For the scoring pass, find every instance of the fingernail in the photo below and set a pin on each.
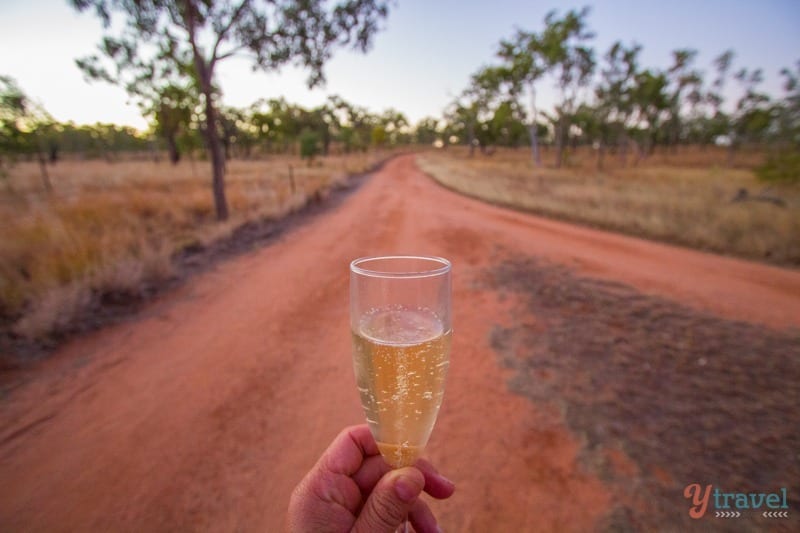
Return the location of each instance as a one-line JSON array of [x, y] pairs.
[[406, 489], [445, 480]]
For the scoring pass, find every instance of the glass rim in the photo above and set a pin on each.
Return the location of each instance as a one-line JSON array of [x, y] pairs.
[[444, 268]]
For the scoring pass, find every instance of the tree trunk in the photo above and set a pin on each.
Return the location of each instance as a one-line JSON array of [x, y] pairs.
[[731, 153], [53, 153], [471, 130], [48, 187], [292, 187], [214, 144], [623, 149], [174, 152], [40, 156], [533, 129], [601, 152], [559, 142], [326, 143]]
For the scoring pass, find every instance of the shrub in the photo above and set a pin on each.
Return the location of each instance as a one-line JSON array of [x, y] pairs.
[[781, 167], [309, 145]]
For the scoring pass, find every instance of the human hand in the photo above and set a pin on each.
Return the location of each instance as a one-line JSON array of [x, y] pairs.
[[352, 488]]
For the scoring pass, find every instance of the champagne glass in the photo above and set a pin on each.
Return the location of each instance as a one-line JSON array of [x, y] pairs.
[[400, 320]]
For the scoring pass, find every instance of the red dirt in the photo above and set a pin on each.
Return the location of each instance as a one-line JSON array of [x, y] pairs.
[[204, 412]]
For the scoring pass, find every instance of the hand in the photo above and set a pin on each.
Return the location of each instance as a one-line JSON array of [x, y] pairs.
[[352, 488]]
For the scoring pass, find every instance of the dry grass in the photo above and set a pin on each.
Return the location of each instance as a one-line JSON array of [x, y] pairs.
[[684, 198], [109, 230]]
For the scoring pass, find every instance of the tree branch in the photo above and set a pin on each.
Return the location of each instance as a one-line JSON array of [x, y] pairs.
[[199, 60], [229, 53], [223, 34]]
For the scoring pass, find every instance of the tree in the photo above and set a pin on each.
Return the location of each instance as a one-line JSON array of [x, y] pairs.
[[12, 109], [172, 110], [682, 78], [528, 57], [309, 145], [169, 39], [378, 136], [24, 126], [783, 163], [652, 104], [426, 132], [355, 124], [718, 123], [751, 117], [788, 127], [395, 124], [507, 124], [574, 64], [614, 98], [523, 64], [475, 106]]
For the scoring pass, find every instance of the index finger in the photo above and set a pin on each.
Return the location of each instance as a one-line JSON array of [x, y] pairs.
[[349, 449]]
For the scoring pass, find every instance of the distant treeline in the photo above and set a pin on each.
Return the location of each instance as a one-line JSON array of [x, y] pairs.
[[266, 127], [612, 103]]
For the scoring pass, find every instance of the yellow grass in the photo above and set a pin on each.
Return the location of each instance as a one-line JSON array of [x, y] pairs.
[[683, 198], [112, 228]]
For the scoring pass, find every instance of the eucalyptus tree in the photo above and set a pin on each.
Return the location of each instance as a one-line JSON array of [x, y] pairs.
[[159, 37], [572, 61], [651, 100], [506, 126], [427, 131], [718, 123], [264, 123], [783, 163], [683, 80], [396, 126], [751, 117], [24, 127], [474, 106], [172, 110], [13, 103], [356, 124], [788, 121], [324, 120], [614, 97], [524, 64]]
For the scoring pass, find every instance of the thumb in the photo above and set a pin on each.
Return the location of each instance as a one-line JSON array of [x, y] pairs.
[[391, 500]]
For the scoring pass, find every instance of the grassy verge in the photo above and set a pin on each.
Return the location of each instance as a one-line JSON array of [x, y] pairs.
[[681, 199], [111, 231]]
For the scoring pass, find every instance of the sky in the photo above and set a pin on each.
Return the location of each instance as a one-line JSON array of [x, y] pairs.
[[418, 64]]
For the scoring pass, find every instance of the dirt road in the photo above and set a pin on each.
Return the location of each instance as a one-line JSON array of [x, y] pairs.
[[205, 411]]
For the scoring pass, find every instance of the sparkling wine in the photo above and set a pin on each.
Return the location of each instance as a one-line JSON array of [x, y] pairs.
[[401, 357]]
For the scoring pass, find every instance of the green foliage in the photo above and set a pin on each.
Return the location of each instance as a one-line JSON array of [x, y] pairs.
[[24, 124], [97, 140], [175, 42], [25, 127], [782, 167], [173, 108], [12, 111], [309, 145], [426, 132], [378, 136], [632, 108]]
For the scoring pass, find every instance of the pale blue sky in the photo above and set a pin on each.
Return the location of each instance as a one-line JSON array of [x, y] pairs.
[[418, 64]]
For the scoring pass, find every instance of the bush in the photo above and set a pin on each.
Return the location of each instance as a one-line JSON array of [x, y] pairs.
[[781, 167], [309, 145]]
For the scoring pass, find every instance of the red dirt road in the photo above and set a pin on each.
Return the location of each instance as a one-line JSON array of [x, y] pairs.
[[205, 411]]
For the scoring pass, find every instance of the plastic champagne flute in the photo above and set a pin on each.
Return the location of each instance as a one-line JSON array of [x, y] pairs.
[[401, 328]]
